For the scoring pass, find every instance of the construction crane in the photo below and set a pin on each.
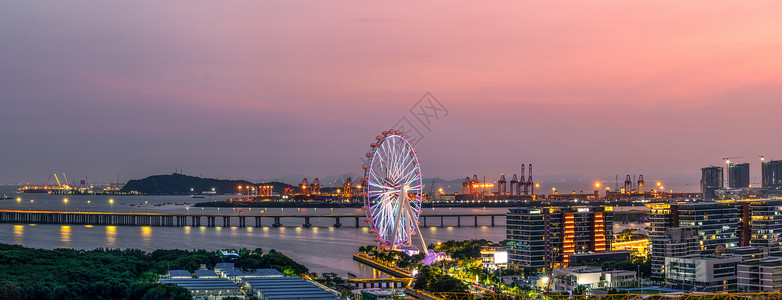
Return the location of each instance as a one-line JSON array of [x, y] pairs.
[[727, 159]]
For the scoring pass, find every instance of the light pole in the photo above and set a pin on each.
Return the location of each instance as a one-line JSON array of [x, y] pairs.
[[597, 188], [111, 201]]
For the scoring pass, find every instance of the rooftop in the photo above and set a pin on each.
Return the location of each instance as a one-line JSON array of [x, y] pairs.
[[232, 272], [268, 272], [224, 266], [179, 273], [203, 284], [202, 273]]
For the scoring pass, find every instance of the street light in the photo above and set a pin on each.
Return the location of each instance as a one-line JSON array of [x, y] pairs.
[[111, 201]]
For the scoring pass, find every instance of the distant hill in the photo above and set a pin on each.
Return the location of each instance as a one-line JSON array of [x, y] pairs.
[[179, 184]]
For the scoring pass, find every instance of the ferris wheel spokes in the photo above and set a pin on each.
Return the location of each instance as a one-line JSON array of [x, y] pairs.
[[392, 189]]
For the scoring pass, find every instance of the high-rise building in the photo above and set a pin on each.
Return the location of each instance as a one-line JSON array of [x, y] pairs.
[[761, 224], [659, 221], [716, 225], [545, 237], [772, 174], [738, 175], [711, 180]]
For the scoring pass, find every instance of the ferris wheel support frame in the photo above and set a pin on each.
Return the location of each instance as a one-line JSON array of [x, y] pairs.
[[406, 209]]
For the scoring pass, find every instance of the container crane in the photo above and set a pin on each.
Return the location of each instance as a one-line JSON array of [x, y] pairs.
[[502, 185]]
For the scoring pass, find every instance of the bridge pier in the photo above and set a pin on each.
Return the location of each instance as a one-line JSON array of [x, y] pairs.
[[178, 220]]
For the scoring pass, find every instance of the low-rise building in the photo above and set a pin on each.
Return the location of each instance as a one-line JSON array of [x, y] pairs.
[[378, 294], [566, 279], [237, 276], [206, 274], [274, 288], [208, 289], [179, 274], [764, 276], [268, 273], [494, 257], [703, 273], [223, 266], [640, 246]]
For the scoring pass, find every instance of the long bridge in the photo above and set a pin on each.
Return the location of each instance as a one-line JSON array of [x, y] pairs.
[[211, 220]]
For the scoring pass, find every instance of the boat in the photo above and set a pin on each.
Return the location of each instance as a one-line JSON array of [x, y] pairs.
[[197, 196]]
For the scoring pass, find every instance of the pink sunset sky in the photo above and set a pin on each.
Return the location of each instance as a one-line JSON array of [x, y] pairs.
[[261, 89]]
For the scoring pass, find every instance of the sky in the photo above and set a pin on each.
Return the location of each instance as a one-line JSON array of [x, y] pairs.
[[262, 89]]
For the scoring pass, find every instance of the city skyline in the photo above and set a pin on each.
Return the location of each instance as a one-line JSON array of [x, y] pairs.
[[261, 90]]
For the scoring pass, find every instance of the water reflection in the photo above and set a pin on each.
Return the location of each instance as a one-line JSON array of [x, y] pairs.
[[18, 234], [65, 236], [321, 249], [111, 236], [146, 235]]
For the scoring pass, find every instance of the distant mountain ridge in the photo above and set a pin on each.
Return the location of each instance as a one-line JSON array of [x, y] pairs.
[[180, 184]]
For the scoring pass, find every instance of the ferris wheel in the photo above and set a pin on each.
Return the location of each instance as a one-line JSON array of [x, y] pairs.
[[392, 190]]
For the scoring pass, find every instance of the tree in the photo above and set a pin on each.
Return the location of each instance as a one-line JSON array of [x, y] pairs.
[[580, 290], [167, 291], [447, 283]]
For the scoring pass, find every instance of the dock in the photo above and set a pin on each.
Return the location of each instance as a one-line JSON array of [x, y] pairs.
[[399, 273]]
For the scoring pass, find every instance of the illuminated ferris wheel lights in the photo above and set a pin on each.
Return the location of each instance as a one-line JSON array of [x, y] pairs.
[[392, 178]]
